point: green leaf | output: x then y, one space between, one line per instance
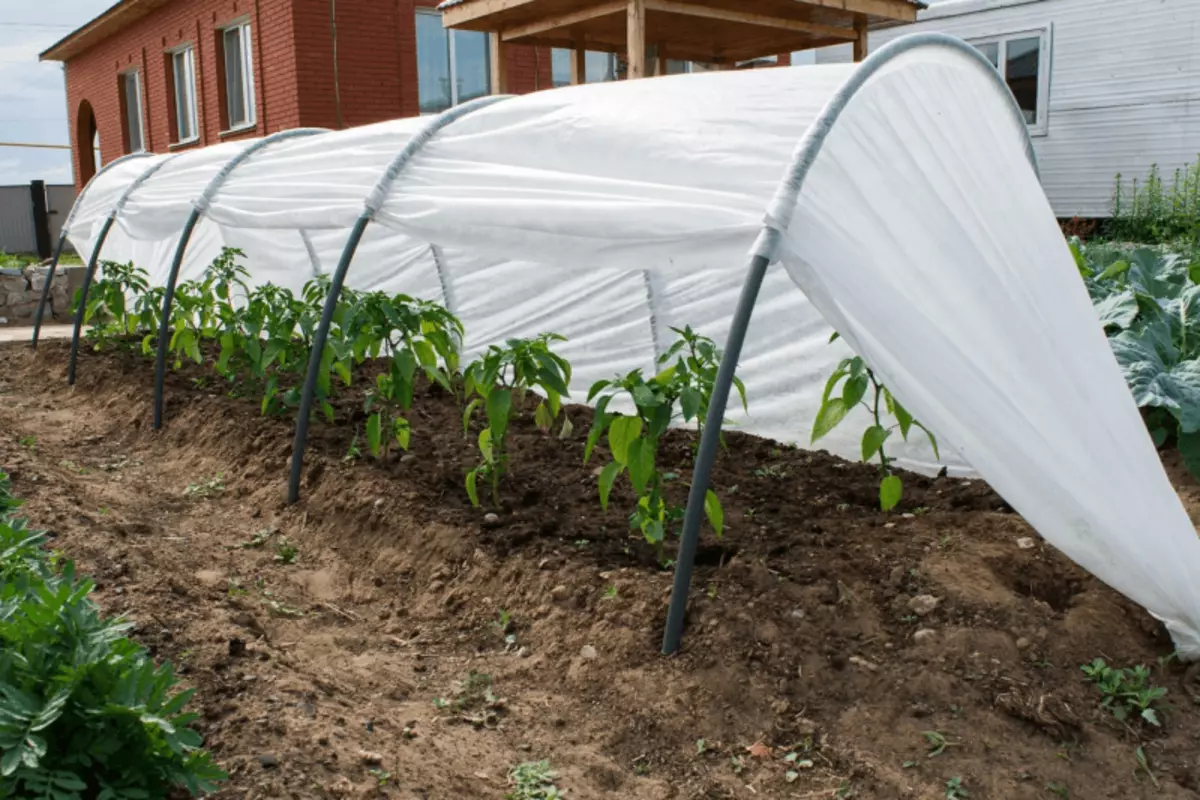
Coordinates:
499 404
714 512
741 390
890 489
640 454
472 489
689 402
10 761
1117 310
1113 270
1155 381
932 439
542 417
426 355
402 432
903 417
485 444
375 433
854 390
873 439
607 476
622 431
831 413
470 409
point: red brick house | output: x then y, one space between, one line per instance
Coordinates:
164 75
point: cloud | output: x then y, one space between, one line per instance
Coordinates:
32 94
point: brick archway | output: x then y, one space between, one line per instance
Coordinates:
85 143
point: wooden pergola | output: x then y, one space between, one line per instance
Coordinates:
714 32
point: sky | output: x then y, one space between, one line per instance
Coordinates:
33 102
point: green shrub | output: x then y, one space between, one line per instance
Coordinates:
84 712
1149 305
1150 212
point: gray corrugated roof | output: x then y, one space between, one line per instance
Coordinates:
452 3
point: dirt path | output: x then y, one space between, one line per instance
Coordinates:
348 671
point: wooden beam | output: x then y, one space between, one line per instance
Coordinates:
499 55
475 9
750 18
579 63
860 43
564 20
901 10
635 34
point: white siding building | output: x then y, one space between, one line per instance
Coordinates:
1108 86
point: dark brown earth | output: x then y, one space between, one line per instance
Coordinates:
801 628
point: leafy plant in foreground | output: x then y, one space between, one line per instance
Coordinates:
84 713
1149 305
686 385
1127 692
108 309
499 381
418 334
860 387
532 781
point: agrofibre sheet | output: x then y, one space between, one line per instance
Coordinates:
907 213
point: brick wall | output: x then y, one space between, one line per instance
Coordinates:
94 76
293 46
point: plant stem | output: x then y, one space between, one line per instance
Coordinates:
883 460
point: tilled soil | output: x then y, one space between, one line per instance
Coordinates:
827 642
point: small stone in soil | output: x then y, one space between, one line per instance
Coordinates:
369 758
559 592
923 604
268 761
1026 543
588 653
491 520
924 635
1023 643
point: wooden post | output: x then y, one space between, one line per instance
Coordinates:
579 64
860 42
636 39
498 51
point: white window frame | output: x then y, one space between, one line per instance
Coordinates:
188 52
246 55
433 12
1045 36
136 74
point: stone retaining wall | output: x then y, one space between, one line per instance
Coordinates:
20 290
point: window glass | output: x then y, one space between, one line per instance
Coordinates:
239 76
433 64
991 51
472 66
185 94
601 67
560 66
677 67
133 110
803 57
1021 57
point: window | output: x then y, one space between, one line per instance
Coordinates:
239 76
131 90
452 66
1023 61
183 70
597 67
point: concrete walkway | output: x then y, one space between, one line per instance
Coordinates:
25 333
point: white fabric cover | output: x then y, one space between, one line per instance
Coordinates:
610 212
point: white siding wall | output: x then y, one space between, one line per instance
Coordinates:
1124 85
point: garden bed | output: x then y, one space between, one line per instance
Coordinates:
829 644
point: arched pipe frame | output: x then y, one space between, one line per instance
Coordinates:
62 241
372 205
81 308
765 251
199 209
